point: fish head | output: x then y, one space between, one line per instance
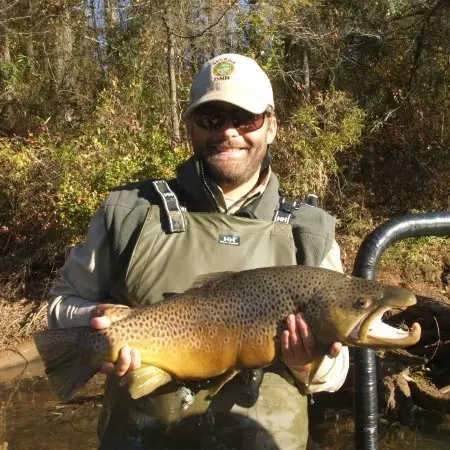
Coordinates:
349 310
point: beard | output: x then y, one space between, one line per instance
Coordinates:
230 173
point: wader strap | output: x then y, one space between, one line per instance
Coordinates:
284 212
286 207
172 208
312 200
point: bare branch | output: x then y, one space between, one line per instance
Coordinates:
194 36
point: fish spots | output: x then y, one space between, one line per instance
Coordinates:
243 312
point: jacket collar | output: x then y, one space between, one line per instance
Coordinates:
198 194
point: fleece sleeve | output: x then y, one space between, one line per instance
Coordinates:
83 279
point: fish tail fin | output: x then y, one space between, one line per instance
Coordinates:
66 368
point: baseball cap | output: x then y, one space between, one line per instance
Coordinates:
234 79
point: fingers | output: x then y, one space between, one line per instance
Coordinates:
107 368
99 320
285 344
294 335
289 338
297 342
129 359
124 361
100 323
108 313
307 337
335 350
135 359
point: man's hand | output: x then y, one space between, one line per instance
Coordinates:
129 358
298 345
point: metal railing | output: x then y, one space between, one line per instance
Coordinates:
369 254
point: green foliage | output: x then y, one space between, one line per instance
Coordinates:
305 153
102 162
355 220
421 257
414 250
50 188
361 97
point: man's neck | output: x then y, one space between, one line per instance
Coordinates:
237 192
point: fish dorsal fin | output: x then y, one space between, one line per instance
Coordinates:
210 279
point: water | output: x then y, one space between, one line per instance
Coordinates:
337 433
32 418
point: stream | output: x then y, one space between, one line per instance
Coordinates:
32 418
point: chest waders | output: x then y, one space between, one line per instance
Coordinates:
162 263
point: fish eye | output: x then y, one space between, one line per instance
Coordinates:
361 303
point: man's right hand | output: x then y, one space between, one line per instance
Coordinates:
129 358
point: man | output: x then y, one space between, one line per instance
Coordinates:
222 212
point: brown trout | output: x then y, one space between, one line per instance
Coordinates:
225 323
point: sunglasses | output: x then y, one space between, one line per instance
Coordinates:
212 118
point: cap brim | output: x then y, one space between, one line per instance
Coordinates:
249 103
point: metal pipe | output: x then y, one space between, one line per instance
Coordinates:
369 254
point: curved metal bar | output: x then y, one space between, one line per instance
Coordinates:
366 261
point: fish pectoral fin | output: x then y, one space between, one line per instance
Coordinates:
144 381
315 364
308 378
221 380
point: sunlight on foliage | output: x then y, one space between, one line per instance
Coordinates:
304 154
78 174
101 165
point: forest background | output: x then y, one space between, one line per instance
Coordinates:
92 93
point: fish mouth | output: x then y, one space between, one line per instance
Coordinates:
371 331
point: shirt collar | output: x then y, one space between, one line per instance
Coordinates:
230 206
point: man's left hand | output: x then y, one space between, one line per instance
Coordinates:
298 345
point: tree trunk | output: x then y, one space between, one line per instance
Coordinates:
63 46
112 13
306 72
5 54
173 85
30 45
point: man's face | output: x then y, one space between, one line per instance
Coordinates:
230 155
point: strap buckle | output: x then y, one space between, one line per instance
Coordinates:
171 206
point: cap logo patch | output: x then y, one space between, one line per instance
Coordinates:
223 68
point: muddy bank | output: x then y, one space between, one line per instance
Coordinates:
418 378
19 319
22 361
